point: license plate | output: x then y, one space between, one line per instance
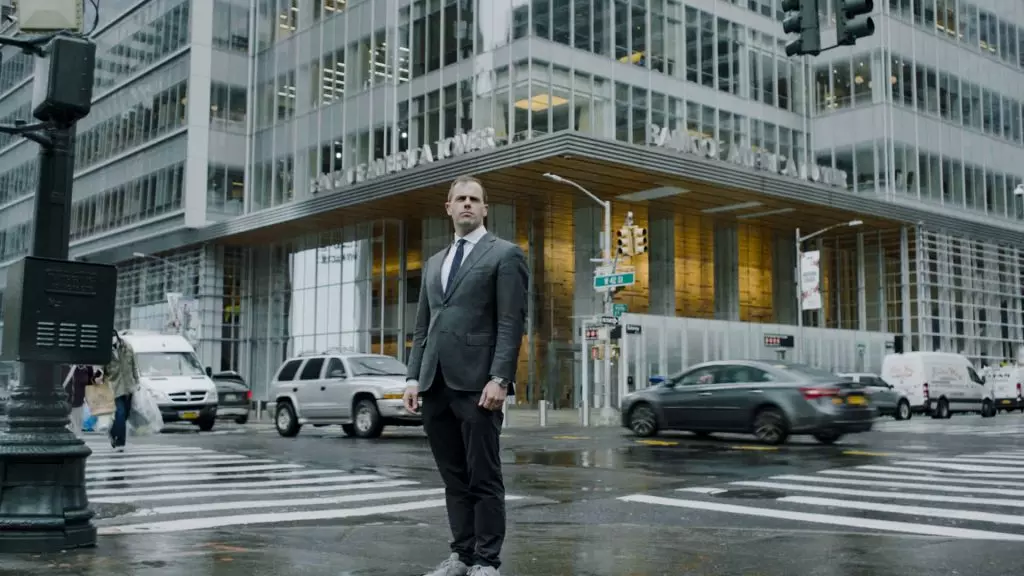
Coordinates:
1006 401
189 415
230 397
856 401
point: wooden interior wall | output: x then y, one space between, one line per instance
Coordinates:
695 269
755 273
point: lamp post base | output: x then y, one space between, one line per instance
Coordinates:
43 502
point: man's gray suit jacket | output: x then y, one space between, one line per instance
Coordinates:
473 332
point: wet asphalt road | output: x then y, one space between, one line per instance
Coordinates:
922 497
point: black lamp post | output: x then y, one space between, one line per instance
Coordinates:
54 315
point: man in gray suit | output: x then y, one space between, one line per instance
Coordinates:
469 327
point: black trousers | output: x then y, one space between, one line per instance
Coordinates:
464 439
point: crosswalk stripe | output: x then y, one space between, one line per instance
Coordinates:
267 518
214 464
846 521
991 517
112 474
184 477
905 478
263 483
878 494
291 503
880 484
174 494
171 489
941 473
960 467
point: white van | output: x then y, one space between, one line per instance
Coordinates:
939 383
1005 382
169 367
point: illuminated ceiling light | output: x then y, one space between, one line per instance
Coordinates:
731 207
652 194
765 213
541 102
858 79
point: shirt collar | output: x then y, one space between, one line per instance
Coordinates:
473 237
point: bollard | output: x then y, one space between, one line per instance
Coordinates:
543 413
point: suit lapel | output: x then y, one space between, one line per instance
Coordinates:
435 264
482 247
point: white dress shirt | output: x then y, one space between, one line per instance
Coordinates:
471 239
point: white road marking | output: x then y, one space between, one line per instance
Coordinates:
924 472
222 485
909 478
267 467
182 458
910 510
919 486
703 490
177 466
187 477
177 495
295 502
846 521
961 467
883 495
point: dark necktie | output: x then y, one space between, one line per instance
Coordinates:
456 263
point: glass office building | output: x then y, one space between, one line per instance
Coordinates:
283 163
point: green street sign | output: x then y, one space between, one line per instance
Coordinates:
619 309
614 280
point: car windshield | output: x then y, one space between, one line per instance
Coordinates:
376 366
164 364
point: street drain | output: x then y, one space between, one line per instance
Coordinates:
751 494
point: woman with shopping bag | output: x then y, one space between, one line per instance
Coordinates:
78 378
122 377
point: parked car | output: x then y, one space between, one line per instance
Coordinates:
235 397
361 392
939 383
884 397
771 400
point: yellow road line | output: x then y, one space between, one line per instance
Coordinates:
571 437
863 453
657 443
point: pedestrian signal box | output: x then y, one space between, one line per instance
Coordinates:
778 341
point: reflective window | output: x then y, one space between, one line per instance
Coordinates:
225 189
154 117
19 181
141 199
227 107
140 40
231 26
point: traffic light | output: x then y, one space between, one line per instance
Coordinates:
852 22
639 240
625 241
802 19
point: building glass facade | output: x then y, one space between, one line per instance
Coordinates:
246 110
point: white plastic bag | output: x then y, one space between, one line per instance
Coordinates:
145 417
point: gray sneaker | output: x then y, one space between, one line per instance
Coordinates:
483 571
452 566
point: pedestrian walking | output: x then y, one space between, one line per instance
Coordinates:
469 327
78 379
122 376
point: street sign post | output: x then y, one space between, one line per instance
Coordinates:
605 279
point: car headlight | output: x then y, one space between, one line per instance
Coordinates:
393 395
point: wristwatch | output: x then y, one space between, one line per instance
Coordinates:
501 381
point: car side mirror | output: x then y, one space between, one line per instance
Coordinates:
209 371
336 374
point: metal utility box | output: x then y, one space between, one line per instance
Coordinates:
59 311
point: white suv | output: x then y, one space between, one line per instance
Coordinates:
362 392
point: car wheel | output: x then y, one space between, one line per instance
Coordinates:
348 429
827 436
642 420
942 410
367 420
770 426
988 409
242 419
206 424
285 421
903 411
